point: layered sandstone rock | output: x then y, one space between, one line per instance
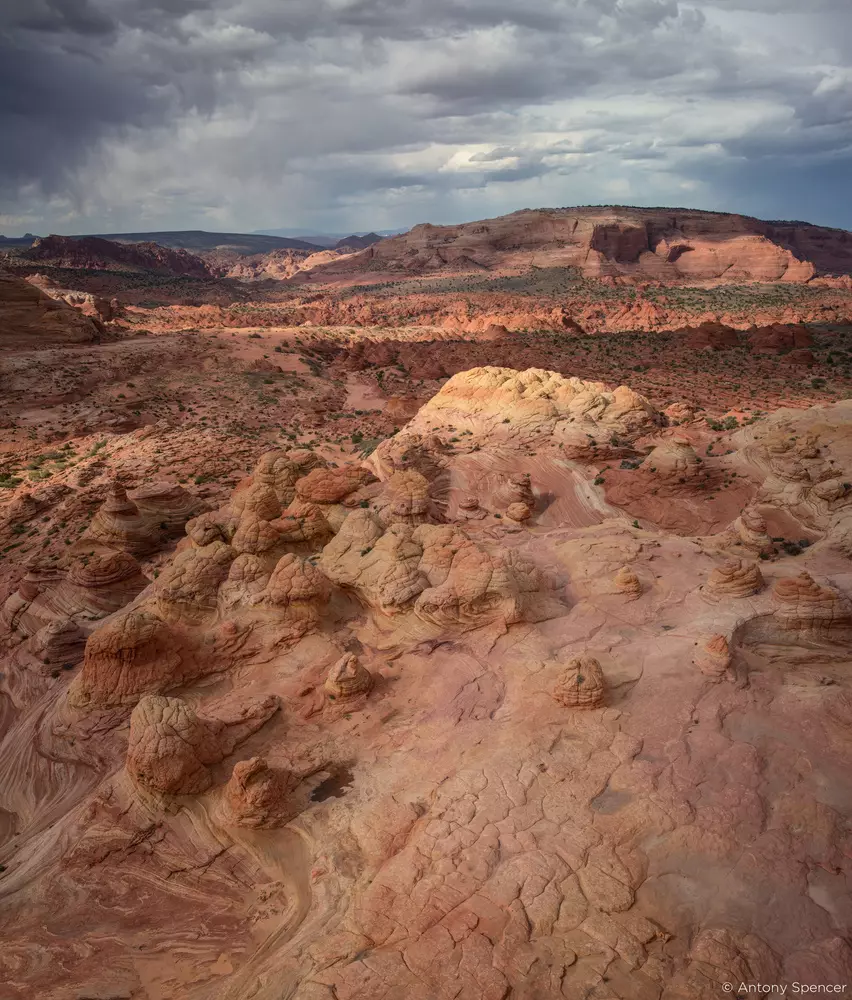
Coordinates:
807 607
348 678
328 486
29 316
92 588
709 337
257 795
735 579
171 748
135 653
713 658
406 498
750 529
661 244
167 506
517 489
436 571
469 508
281 470
581 685
673 459
254 535
303 523
298 588
210 527
259 500
188 589
627 583
480 589
119 524
59 643
501 405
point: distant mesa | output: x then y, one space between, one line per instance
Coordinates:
669 245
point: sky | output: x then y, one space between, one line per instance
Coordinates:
343 115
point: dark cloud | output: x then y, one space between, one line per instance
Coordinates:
234 114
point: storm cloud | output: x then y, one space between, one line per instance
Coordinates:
359 114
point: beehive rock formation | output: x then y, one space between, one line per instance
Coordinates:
673 459
134 653
171 747
60 642
119 524
713 657
327 486
281 470
469 508
581 684
90 589
259 500
406 498
517 489
806 606
736 578
348 678
188 590
167 506
627 583
518 512
257 795
303 523
750 528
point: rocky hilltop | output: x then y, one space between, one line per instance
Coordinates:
29 316
93 253
669 245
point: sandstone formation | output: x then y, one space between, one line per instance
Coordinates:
171 748
713 658
736 578
95 253
581 685
750 528
29 316
92 588
518 512
673 459
545 408
348 678
135 653
778 337
806 606
257 795
444 824
326 486
60 642
627 583
143 524
407 498
517 489
709 337
119 525
661 244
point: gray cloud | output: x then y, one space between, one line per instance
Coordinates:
243 114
